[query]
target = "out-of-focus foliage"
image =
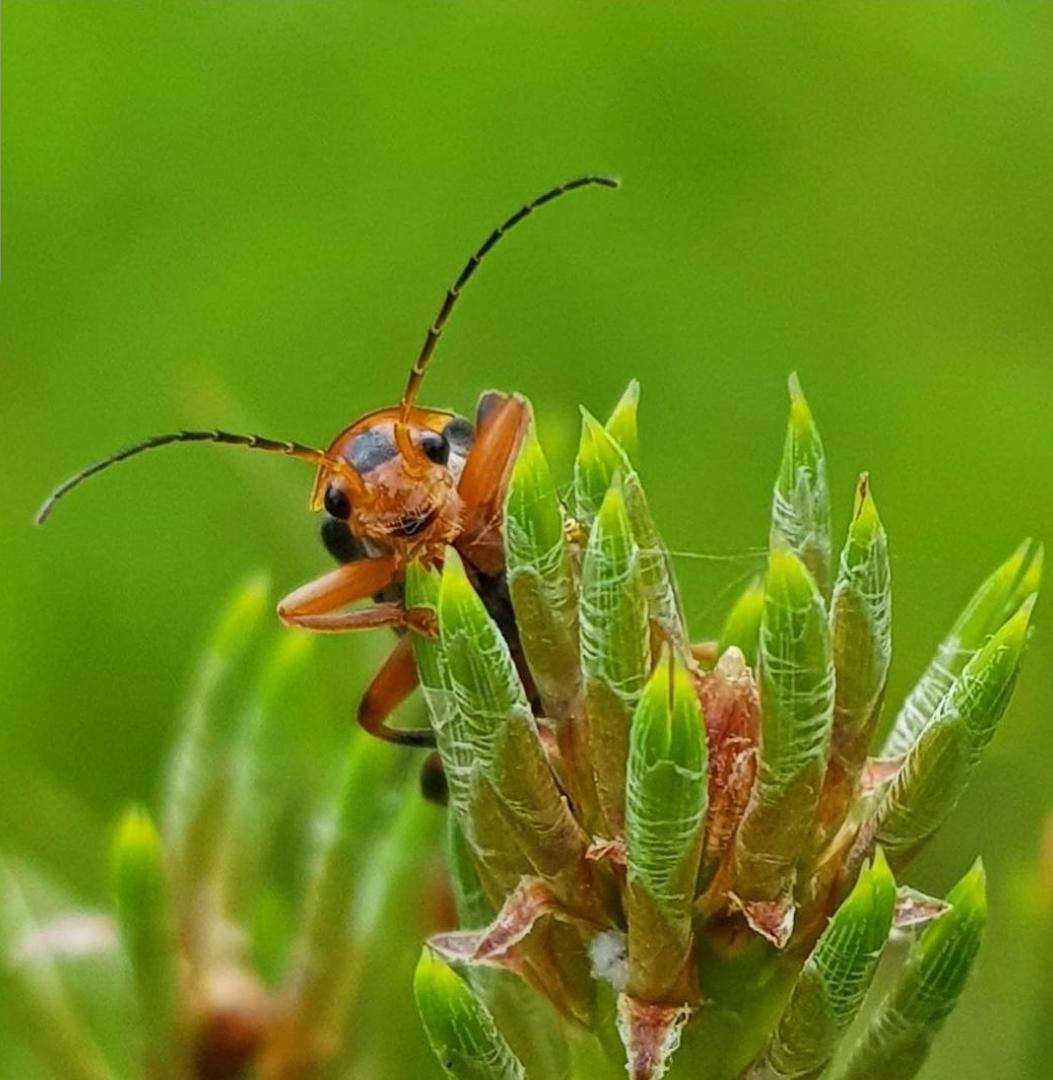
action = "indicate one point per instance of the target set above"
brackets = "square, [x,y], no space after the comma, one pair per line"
[245,214]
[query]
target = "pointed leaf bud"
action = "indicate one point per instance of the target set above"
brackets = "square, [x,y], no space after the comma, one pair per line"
[830,989]
[615,649]
[665,814]
[941,762]
[861,638]
[460,1029]
[898,1038]
[801,499]
[996,599]
[797,691]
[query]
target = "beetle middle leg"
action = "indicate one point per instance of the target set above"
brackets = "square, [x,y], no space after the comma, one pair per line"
[392,684]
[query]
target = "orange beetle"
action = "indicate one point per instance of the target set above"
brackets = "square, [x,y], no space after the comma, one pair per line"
[398,484]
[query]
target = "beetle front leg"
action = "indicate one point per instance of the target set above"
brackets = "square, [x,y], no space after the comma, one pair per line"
[314,606]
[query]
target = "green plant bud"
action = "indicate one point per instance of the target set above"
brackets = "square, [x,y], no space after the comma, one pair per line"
[599,459]
[197,775]
[797,697]
[459,1027]
[861,639]
[621,424]
[541,581]
[898,1038]
[800,513]
[261,780]
[741,628]
[941,762]
[491,750]
[149,934]
[665,815]
[324,951]
[831,986]
[996,599]
[615,649]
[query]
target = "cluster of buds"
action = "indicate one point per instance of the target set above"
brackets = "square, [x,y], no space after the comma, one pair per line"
[687,852]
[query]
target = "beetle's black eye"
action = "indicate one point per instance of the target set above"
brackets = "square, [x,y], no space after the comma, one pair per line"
[436,447]
[337,504]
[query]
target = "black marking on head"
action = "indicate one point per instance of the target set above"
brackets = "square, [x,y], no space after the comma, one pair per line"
[460,435]
[340,543]
[371,448]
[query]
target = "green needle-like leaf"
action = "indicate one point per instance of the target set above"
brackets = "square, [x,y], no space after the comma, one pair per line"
[600,458]
[861,637]
[741,628]
[665,813]
[941,762]
[151,943]
[898,1038]
[622,426]
[800,514]
[615,649]
[797,697]
[834,980]
[541,581]
[324,952]
[460,1028]
[996,599]
[492,752]
[197,778]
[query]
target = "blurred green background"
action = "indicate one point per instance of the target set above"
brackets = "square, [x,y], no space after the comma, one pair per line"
[245,214]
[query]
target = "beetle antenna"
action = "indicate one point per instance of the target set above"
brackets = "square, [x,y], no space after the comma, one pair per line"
[251,442]
[431,340]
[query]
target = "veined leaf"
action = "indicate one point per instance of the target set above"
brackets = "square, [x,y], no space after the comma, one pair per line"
[615,649]
[665,815]
[996,599]
[831,987]
[941,762]
[460,1029]
[898,1038]
[861,639]
[800,513]
[797,697]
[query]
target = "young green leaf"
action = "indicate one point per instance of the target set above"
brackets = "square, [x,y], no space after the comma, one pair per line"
[615,649]
[622,426]
[830,988]
[996,599]
[541,581]
[197,773]
[941,762]
[898,1038]
[800,513]
[460,1028]
[861,639]
[741,628]
[797,697]
[150,940]
[665,815]
[497,771]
